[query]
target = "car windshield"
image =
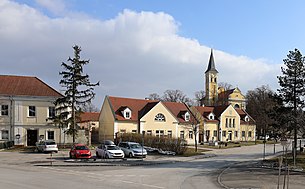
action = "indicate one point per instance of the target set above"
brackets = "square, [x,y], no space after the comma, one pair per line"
[135,146]
[112,148]
[50,143]
[81,148]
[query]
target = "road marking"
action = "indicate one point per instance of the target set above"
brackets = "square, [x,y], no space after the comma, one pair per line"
[100,176]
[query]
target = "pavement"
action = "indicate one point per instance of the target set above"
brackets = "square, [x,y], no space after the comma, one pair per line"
[61,159]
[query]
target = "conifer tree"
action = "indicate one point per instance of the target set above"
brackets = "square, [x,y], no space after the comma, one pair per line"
[79,91]
[292,88]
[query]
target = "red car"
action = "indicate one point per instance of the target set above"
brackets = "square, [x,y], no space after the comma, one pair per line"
[80,151]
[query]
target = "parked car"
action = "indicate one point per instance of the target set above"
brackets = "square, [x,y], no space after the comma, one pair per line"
[80,151]
[132,149]
[109,151]
[107,142]
[47,146]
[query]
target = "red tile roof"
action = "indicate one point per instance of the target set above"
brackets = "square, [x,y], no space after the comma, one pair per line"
[242,113]
[140,107]
[225,94]
[89,116]
[177,109]
[25,86]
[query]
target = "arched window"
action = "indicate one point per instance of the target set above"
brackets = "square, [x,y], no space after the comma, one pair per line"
[236,106]
[159,117]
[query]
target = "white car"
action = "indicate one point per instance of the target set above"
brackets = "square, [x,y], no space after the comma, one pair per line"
[109,151]
[46,146]
[133,149]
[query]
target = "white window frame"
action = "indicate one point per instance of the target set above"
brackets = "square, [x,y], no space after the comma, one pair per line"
[211,116]
[29,110]
[191,134]
[127,113]
[48,135]
[50,111]
[169,133]
[149,132]
[160,117]
[8,134]
[181,134]
[1,110]
[187,116]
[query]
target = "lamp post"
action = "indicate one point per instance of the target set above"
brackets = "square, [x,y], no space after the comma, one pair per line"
[143,133]
[285,143]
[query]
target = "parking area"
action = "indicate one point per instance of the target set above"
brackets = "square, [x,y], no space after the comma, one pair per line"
[34,158]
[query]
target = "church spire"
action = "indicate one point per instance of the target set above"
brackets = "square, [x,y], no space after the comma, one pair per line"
[211,66]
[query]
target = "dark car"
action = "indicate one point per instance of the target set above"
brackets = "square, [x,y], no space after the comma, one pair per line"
[80,151]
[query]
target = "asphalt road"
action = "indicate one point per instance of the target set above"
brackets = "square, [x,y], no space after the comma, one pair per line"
[230,168]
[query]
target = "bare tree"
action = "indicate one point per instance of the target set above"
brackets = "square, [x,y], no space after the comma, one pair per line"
[260,103]
[175,96]
[153,96]
[89,108]
[199,98]
[225,86]
[195,121]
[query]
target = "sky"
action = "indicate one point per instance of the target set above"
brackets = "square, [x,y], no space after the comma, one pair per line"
[139,47]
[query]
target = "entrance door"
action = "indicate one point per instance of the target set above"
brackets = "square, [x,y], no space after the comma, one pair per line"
[230,136]
[32,137]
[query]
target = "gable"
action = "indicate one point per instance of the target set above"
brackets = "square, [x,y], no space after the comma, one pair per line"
[230,112]
[159,108]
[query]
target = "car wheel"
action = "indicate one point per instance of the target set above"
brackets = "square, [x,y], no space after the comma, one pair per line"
[130,155]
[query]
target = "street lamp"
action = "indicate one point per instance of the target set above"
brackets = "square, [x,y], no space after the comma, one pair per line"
[285,143]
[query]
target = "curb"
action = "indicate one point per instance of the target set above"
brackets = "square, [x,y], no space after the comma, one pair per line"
[105,164]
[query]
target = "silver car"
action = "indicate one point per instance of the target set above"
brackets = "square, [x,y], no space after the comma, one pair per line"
[109,151]
[46,146]
[132,149]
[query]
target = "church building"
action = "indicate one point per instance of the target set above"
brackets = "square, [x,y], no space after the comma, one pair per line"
[216,95]
[223,116]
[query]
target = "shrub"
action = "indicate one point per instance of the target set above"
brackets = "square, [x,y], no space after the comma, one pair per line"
[176,145]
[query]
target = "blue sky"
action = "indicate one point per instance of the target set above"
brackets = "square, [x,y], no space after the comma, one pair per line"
[157,45]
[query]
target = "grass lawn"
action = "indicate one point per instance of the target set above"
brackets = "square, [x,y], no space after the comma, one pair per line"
[191,152]
[300,161]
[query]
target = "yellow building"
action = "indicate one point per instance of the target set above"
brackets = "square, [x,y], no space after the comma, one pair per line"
[218,95]
[26,104]
[224,123]
[164,119]
[223,114]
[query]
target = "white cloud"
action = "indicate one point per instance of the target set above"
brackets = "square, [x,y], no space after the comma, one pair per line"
[133,54]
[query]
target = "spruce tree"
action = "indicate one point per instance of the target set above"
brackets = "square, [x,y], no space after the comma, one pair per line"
[292,88]
[79,91]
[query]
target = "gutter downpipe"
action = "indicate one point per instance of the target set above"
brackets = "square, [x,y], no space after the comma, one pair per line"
[11,120]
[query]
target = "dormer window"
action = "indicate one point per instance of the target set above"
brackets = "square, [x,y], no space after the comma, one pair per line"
[126,113]
[159,117]
[247,119]
[187,116]
[211,116]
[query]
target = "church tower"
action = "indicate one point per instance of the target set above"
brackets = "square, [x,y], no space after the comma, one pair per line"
[211,86]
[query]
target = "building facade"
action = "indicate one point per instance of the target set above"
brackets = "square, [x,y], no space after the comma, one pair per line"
[164,119]
[223,114]
[26,103]
[224,123]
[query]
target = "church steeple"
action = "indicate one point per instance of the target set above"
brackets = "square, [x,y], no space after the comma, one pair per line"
[211,66]
[211,86]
